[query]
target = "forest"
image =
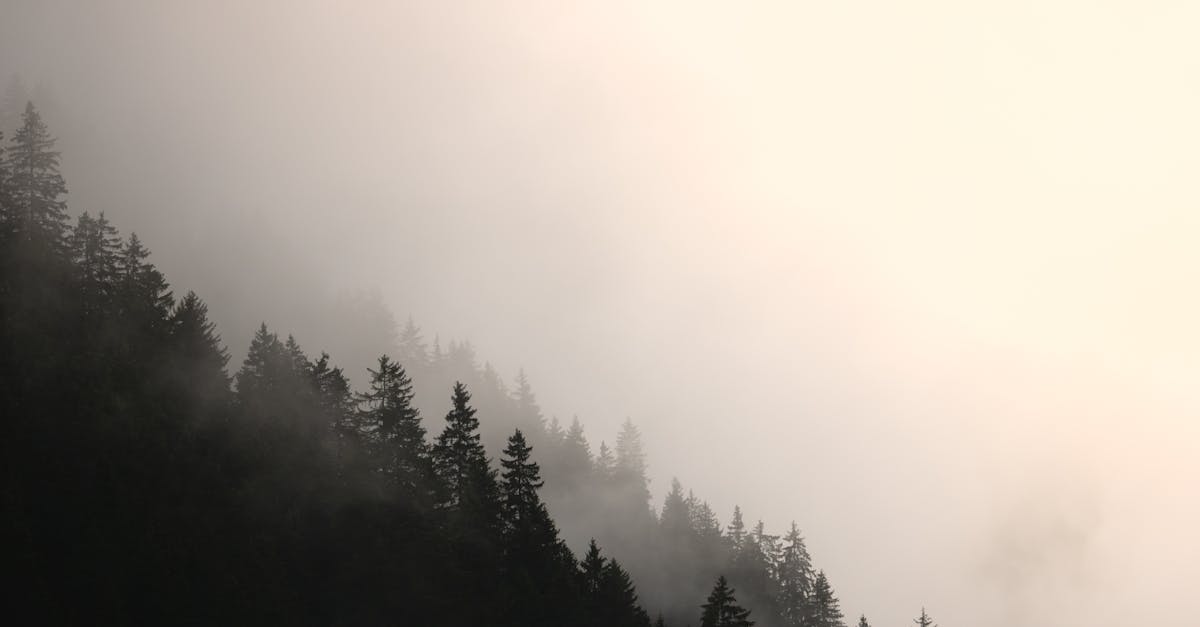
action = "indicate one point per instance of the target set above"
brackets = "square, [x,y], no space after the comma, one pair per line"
[147,480]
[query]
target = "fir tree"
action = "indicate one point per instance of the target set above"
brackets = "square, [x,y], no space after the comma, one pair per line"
[736,533]
[795,579]
[825,609]
[862,621]
[924,620]
[199,359]
[145,297]
[36,206]
[462,465]
[95,248]
[606,464]
[394,426]
[412,345]
[722,609]
[675,519]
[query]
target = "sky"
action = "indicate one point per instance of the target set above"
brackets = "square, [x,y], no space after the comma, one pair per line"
[920,276]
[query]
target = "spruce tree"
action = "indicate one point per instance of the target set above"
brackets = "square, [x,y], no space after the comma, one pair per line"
[795,579]
[675,520]
[394,426]
[95,249]
[198,357]
[145,296]
[862,621]
[35,186]
[736,533]
[924,620]
[722,609]
[462,465]
[606,465]
[824,608]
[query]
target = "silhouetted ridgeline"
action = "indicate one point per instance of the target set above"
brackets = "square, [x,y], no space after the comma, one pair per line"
[144,485]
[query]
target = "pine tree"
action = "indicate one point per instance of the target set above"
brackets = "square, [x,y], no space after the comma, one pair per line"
[462,465]
[795,579]
[35,187]
[924,620]
[591,570]
[630,471]
[95,248]
[145,297]
[394,426]
[576,456]
[520,481]
[606,464]
[262,370]
[675,519]
[528,414]
[619,600]
[199,359]
[722,609]
[736,533]
[412,346]
[862,621]
[825,609]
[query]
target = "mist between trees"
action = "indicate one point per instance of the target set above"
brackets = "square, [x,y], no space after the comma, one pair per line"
[145,485]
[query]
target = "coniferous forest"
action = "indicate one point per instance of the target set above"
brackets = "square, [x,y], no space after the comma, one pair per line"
[148,480]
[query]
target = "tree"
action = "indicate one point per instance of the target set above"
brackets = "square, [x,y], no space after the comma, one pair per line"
[394,426]
[924,620]
[736,533]
[412,345]
[675,519]
[722,609]
[520,481]
[462,465]
[795,578]
[145,296]
[862,621]
[36,207]
[198,358]
[606,464]
[619,600]
[825,609]
[95,248]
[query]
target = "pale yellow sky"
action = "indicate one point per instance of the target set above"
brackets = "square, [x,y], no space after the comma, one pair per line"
[920,275]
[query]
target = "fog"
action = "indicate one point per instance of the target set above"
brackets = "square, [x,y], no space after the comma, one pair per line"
[919,276]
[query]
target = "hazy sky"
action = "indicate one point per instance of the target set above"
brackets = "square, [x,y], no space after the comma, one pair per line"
[920,275]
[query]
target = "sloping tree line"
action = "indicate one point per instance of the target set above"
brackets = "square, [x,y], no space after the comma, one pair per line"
[143,484]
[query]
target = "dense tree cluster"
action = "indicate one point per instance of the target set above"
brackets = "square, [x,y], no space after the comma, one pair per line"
[144,484]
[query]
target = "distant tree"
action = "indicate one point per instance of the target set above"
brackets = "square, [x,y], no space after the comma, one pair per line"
[630,471]
[462,464]
[862,621]
[537,563]
[393,424]
[146,299]
[412,345]
[722,609]
[263,368]
[576,458]
[675,519]
[619,599]
[199,358]
[95,249]
[736,533]
[36,207]
[795,579]
[825,609]
[924,620]
[528,414]
[606,464]
[704,519]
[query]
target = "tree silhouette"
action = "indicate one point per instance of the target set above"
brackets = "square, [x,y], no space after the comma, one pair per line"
[722,609]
